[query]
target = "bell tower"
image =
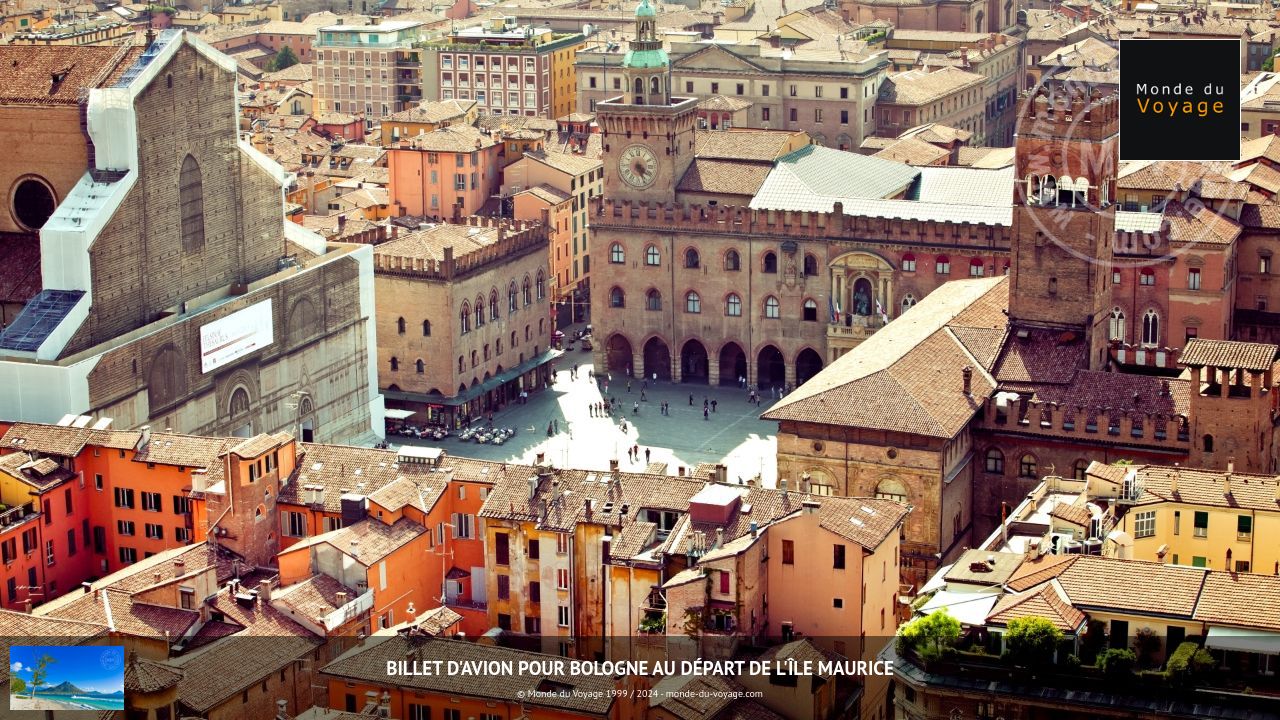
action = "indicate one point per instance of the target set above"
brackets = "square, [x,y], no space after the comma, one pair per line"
[1067,154]
[647,133]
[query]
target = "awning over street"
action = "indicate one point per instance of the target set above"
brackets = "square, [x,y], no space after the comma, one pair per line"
[1252,641]
[478,389]
[396,414]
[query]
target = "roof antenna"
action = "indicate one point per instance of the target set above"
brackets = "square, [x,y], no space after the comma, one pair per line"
[151,31]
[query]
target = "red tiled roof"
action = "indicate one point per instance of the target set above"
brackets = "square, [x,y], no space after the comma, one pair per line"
[1200,352]
[55,74]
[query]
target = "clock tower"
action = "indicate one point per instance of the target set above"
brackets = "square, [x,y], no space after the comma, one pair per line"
[647,134]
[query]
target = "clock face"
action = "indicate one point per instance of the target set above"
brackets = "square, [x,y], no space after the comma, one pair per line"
[638,166]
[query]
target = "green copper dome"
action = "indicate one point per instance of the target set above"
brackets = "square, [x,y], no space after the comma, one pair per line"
[644,9]
[645,59]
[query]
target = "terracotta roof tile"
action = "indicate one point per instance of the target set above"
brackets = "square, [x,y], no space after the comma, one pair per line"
[433,111]
[742,144]
[1241,599]
[1200,352]
[913,152]
[430,244]
[1045,603]
[145,676]
[29,71]
[728,177]
[696,697]
[373,539]
[419,491]
[1111,584]
[1033,572]
[226,668]
[918,87]
[183,450]
[452,138]
[47,439]
[1205,487]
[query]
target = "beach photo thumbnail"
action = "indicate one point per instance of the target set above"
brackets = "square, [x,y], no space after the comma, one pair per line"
[66,677]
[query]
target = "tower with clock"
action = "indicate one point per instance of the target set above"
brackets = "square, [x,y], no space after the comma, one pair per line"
[647,134]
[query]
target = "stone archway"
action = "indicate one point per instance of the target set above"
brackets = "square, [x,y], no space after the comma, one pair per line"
[618,354]
[733,363]
[694,367]
[657,359]
[771,368]
[808,364]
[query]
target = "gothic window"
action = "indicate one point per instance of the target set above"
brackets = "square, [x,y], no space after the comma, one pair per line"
[617,298]
[653,300]
[995,461]
[731,261]
[541,286]
[526,292]
[691,258]
[810,313]
[733,305]
[464,319]
[479,309]
[191,199]
[908,300]
[400,325]
[692,303]
[1117,324]
[422,367]
[652,256]
[770,264]
[239,402]
[493,305]
[1151,328]
[511,297]
[771,308]
[426,328]
[616,255]
[810,265]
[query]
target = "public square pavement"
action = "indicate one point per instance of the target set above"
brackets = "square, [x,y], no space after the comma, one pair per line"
[733,434]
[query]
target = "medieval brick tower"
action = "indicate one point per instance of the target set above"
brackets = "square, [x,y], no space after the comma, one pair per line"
[1063,218]
[647,134]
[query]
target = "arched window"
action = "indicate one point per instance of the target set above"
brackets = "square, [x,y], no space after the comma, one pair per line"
[655,86]
[462,363]
[1151,328]
[240,400]
[908,301]
[977,268]
[639,86]
[616,255]
[652,256]
[479,308]
[733,305]
[464,318]
[400,325]
[191,198]
[810,265]
[511,297]
[691,258]
[541,285]
[1147,276]
[528,335]
[617,298]
[426,328]
[493,305]
[475,358]
[526,292]
[908,262]
[497,349]
[1027,466]
[732,261]
[770,262]
[1208,443]
[1080,469]
[892,489]
[810,313]
[942,265]
[653,300]
[995,461]
[1117,324]
[692,303]
[395,363]
[771,307]
[422,367]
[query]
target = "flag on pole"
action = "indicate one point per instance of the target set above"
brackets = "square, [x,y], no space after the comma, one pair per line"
[831,309]
[884,316]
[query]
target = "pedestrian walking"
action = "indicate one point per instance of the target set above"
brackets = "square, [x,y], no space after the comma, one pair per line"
[635,410]
[646,456]
[705,415]
[713,406]
[690,399]
[644,385]
[642,397]
[705,404]
[628,386]
[655,378]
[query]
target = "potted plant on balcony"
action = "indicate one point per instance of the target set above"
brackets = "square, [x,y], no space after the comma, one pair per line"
[1031,642]
[653,624]
[931,638]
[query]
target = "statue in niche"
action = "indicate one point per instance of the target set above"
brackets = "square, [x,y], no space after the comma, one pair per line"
[862,301]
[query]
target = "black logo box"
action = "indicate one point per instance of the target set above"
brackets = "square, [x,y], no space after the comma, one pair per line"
[1189,64]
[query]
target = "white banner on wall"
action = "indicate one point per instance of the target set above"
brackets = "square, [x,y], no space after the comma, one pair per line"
[236,335]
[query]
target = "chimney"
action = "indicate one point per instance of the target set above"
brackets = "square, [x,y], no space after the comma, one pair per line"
[179,567]
[755,529]
[964,57]
[155,576]
[719,537]
[1173,480]
[810,506]
[342,222]
[264,590]
[340,598]
[1226,479]
[282,709]
[613,466]
[144,439]
[782,485]
[87,587]
[967,374]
